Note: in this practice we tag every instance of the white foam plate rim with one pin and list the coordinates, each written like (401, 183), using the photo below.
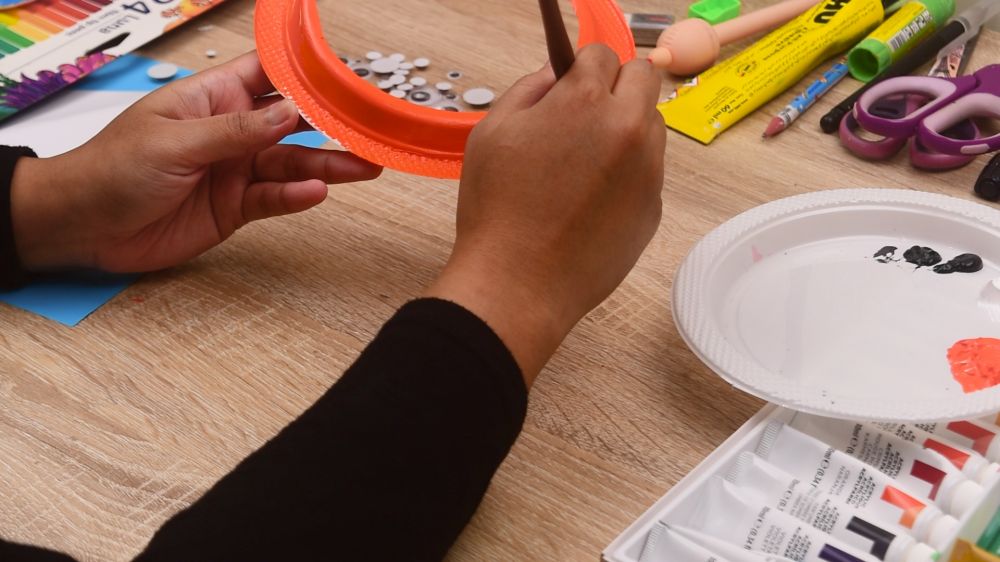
(693, 297)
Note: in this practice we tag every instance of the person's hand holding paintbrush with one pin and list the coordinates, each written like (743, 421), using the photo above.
(560, 194)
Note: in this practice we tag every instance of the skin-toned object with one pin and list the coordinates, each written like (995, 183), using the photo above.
(176, 174)
(691, 46)
(390, 132)
(539, 245)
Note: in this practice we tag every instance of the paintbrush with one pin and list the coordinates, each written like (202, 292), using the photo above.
(561, 53)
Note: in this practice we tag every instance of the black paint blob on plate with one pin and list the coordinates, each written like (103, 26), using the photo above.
(965, 263)
(886, 254)
(922, 256)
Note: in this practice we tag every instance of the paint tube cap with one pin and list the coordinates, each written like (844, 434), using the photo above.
(942, 532)
(963, 497)
(987, 473)
(904, 549)
(920, 552)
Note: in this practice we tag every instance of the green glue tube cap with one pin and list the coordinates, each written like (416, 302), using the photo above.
(910, 25)
(715, 11)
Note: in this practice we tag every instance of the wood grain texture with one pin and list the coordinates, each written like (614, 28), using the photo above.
(109, 428)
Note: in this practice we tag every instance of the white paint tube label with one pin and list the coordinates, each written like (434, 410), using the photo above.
(729, 514)
(923, 470)
(673, 543)
(865, 529)
(856, 484)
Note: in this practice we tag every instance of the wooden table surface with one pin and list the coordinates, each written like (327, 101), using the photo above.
(108, 428)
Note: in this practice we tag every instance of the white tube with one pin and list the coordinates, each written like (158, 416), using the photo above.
(729, 514)
(982, 436)
(664, 545)
(972, 464)
(920, 469)
(672, 543)
(857, 484)
(861, 529)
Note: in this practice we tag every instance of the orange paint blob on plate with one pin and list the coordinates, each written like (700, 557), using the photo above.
(975, 363)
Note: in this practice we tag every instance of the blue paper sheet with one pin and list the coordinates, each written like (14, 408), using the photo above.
(72, 298)
(69, 299)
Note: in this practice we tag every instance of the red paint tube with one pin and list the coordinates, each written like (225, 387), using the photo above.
(981, 436)
(973, 464)
(919, 469)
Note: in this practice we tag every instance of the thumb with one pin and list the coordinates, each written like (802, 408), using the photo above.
(526, 92)
(232, 135)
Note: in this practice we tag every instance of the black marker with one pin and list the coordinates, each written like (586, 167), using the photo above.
(967, 23)
(109, 44)
(988, 184)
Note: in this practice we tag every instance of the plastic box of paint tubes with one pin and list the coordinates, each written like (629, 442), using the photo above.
(789, 486)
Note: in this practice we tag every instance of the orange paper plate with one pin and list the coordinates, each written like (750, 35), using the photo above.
(388, 131)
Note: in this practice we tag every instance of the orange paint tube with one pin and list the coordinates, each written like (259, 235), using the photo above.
(375, 126)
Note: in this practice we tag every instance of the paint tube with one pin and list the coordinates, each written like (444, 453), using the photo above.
(728, 513)
(673, 543)
(982, 436)
(861, 529)
(920, 469)
(855, 483)
(972, 464)
(736, 87)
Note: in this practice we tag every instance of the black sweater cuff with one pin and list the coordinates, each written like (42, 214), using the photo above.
(12, 275)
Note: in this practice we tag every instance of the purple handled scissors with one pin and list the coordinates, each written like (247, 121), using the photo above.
(944, 135)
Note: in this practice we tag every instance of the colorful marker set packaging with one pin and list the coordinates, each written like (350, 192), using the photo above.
(790, 486)
(47, 45)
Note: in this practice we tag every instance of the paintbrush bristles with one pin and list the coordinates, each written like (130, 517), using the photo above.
(561, 53)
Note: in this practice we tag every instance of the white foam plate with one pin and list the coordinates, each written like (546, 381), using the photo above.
(786, 302)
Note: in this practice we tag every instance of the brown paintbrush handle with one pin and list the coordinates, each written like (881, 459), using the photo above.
(561, 52)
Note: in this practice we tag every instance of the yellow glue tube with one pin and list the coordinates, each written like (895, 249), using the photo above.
(731, 90)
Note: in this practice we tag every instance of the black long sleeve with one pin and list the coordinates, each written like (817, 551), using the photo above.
(389, 464)
(11, 273)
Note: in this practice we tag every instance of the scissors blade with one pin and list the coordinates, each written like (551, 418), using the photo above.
(951, 61)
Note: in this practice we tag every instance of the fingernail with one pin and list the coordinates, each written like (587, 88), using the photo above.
(280, 112)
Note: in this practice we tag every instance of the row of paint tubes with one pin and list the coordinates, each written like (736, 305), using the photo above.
(865, 491)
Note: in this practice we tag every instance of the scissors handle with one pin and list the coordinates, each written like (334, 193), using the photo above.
(939, 91)
(982, 101)
(882, 149)
(921, 158)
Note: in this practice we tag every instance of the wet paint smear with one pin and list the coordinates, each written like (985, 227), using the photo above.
(975, 364)
(886, 254)
(965, 263)
(922, 256)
